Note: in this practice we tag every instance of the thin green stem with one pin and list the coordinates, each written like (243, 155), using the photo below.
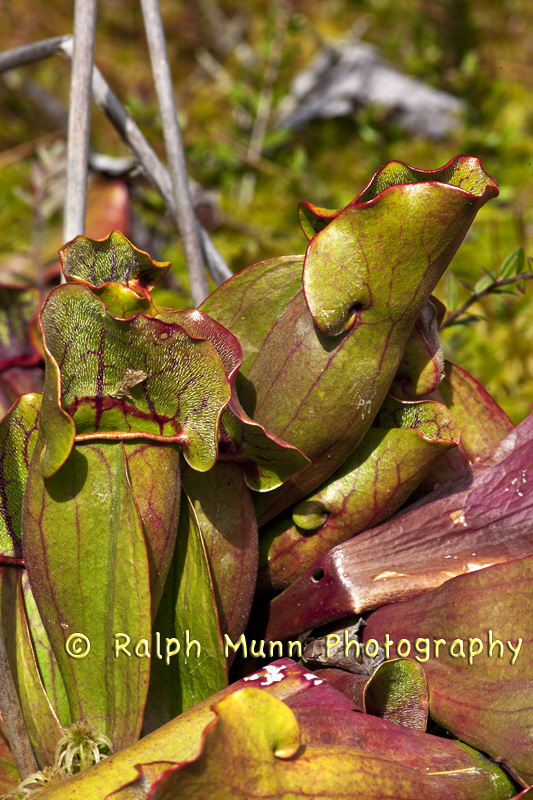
(475, 296)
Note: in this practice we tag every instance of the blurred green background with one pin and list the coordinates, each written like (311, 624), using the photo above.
(233, 63)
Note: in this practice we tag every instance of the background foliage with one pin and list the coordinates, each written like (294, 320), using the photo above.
(227, 59)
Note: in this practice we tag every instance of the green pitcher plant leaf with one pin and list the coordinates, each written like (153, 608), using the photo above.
(44, 655)
(253, 747)
(394, 456)
(481, 420)
(400, 204)
(9, 778)
(421, 368)
(95, 262)
(266, 460)
(479, 518)
(480, 675)
(154, 474)
(225, 513)
(330, 354)
(18, 435)
(18, 305)
(87, 563)
(325, 717)
(122, 301)
(398, 691)
(188, 663)
(118, 379)
(41, 719)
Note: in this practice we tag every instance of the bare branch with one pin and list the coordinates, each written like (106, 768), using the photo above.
(79, 120)
(127, 129)
(17, 735)
(28, 53)
(155, 171)
(174, 146)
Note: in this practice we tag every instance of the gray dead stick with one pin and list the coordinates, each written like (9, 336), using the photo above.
(79, 120)
(17, 735)
(28, 53)
(174, 146)
(155, 171)
(128, 130)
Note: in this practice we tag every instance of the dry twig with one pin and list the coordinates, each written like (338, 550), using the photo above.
(79, 120)
(174, 146)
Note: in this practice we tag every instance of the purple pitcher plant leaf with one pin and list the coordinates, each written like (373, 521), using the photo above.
(255, 745)
(481, 420)
(188, 663)
(85, 553)
(394, 456)
(94, 262)
(154, 474)
(125, 378)
(18, 435)
(225, 513)
(480, 674)
(266, 460)
(41, 718)
(481, 517)
(325, 718)
(421, 368)
(331, 350)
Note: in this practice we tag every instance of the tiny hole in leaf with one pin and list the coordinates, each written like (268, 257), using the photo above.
(318, 574)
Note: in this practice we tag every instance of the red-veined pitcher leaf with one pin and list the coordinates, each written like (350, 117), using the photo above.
(267, 461)
(397, 690)
(154, 473)
(225, 513)
(118, 379)
(481, 420)
(18, 434)
(325, 717)
(41, 721)
(481, 674)
(18, 304)
(253, 748)
(122, 301)
(88, 568)
(95, 262)
(44, 655)
(188, 663)
(483, 516)
(421, 368)
(392, 240)
(395, 454)
(291, 372)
